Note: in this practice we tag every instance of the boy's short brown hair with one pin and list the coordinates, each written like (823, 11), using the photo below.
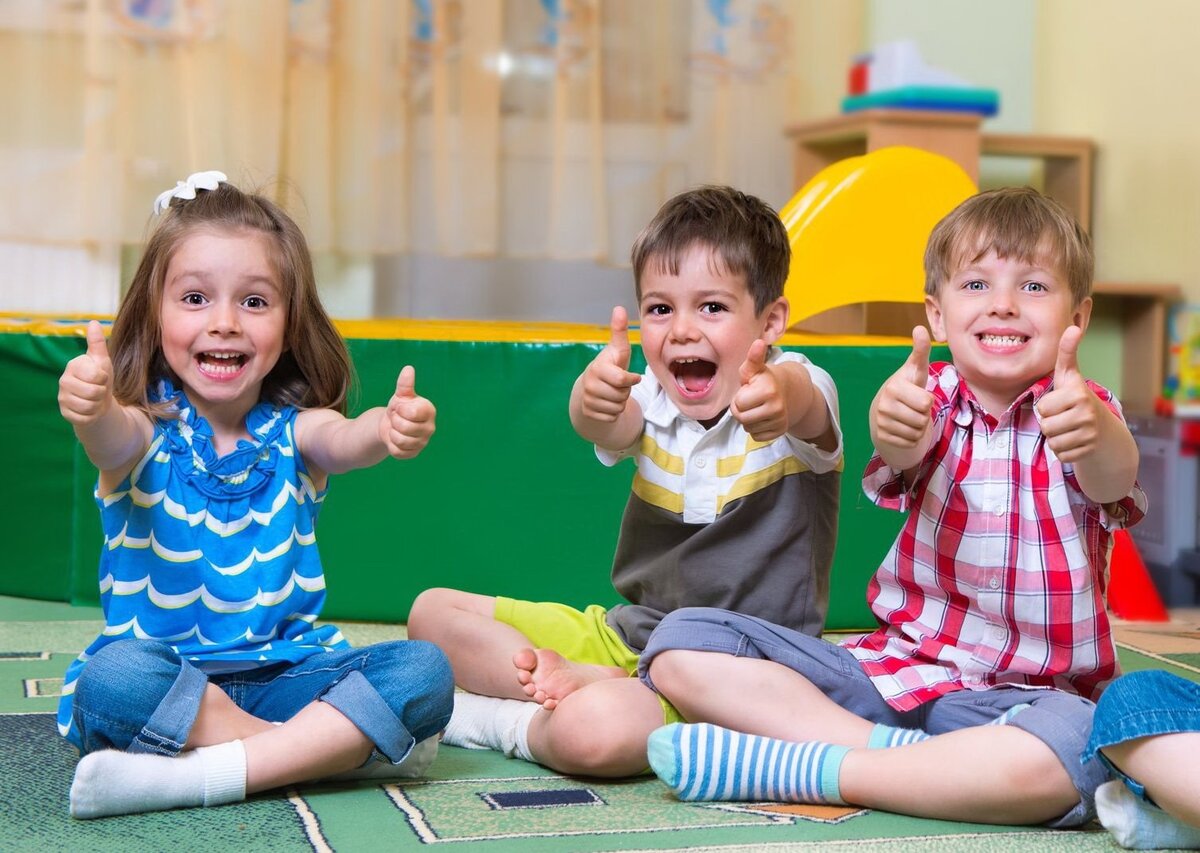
(745, 235)
(1013, 222)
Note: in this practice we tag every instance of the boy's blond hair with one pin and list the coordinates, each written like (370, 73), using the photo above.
(1013, 222)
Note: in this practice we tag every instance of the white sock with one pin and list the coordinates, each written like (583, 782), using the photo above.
(1139, 825)
(414, 765)
(486, 722)
(111, 782)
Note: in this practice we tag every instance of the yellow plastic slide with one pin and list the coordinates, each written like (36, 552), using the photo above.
(858, 228)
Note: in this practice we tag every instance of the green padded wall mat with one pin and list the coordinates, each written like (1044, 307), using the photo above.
(505, 500)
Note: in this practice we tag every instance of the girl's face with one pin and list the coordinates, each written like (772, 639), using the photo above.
(223, 316)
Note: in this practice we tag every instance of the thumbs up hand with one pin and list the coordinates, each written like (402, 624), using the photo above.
(901, 419)
(85, 388)
(1071, 415)
(606, 382)
(409, 419)
(760, 405)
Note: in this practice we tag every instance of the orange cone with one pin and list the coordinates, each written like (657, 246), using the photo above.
(1131, 593)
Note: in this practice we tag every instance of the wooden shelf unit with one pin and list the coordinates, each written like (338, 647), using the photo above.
(1143, 312)
(1066, 161)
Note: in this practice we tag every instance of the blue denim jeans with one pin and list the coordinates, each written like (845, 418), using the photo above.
(1141, 704)
(141, 696)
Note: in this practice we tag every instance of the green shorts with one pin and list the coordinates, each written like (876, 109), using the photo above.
(582, 636)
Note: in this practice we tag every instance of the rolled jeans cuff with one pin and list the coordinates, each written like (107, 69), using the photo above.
(362, 705)
(167, 730)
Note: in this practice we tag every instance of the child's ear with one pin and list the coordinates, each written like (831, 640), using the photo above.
(933, 313)
(1083, 314)
(775, 320)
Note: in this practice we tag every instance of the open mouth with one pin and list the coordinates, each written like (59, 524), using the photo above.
(693, 376)
(220, 363)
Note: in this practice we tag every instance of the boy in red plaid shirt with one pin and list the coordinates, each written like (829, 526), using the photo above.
(972, 700)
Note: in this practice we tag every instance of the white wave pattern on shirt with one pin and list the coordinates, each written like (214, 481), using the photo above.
(175, 601)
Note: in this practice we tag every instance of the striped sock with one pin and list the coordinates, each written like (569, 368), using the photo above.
(707, 762)
(883, 736)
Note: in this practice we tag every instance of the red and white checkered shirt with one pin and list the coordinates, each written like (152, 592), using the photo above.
(999, 572)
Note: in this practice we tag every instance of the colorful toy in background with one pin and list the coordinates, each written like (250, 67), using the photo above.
(1181, 390)
(1131, 592)
(858, 228)
(894, 75)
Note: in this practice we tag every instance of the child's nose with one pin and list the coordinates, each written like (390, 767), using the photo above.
(223, 320)
(1003, 303)
(683, 326)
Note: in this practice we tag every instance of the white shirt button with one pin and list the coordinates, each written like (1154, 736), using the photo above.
(994, 583)
(701, 461)
(998, 510)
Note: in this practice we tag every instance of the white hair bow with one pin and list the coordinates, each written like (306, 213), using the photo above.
(187, 189)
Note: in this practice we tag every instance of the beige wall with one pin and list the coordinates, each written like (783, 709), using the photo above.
(1126, 74)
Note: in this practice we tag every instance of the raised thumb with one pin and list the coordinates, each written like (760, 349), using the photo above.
(406, 382)
(1067, 363)
(618, 338)
(756, 361)
(919, 359)
(97, 347)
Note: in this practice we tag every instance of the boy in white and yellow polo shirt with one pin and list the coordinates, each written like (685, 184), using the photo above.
(734, 504)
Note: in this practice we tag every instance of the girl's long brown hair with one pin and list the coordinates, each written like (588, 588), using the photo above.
(314, 370)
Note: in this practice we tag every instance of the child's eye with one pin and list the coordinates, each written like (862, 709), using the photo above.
(254, 302)
(712, 308)
(658, 310)
(1036, 287)
(193, 298)
(975, 284)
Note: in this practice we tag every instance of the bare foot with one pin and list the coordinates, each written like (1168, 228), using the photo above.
(547, 677)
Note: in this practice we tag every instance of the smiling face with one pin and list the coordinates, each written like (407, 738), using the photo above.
(697, 328)
(1003, 319)
(223, 318)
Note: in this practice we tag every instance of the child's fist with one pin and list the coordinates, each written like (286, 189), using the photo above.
(409, 420)
(85, 388)
(759, 405)
(607, 382)
(901, 415)
(1070, 413)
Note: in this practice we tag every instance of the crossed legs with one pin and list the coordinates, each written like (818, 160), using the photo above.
(571, 701)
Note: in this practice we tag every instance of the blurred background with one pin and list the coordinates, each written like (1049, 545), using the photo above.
(493, 159)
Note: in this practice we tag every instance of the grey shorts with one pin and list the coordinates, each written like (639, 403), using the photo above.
(1061, 720)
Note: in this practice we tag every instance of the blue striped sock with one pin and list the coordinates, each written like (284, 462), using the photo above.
(883, 736)
(707, 762)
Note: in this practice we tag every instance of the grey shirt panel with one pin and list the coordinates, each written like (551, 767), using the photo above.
(768, 554)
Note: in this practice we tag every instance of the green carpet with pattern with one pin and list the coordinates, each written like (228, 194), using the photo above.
(473, 801)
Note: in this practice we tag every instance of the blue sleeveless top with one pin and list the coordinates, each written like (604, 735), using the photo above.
(216, 557)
